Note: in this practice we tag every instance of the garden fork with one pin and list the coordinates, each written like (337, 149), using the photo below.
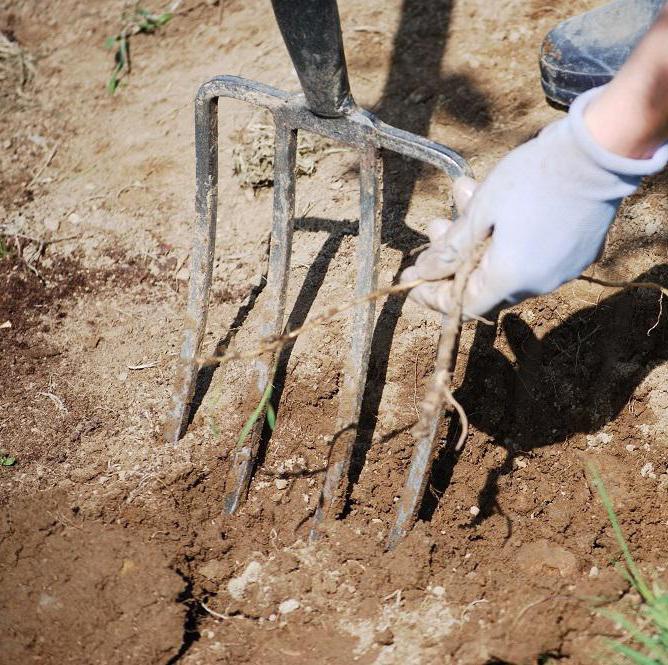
(312, 33)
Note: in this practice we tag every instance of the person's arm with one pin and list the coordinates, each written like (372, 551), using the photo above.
(630, 117)
(549, 203)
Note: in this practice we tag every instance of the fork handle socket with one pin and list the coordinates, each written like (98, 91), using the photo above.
(311, 30)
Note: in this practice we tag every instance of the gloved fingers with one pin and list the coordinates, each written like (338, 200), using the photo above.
(435, 264)
(434, 295)
(440, 260)
(415, 294)
(462, 237)
(463, 189)
(484, 290)
(437, 229)
(448, 248)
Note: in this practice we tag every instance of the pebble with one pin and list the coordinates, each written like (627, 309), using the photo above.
(280, 483)
(51, 223)
(594, 571)
(474, 510)
(648, 471)
(384, 637)
(289, 605)
(237, 585)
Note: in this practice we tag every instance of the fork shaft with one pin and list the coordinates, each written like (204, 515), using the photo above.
(311, 31)
(273, 308)
(332, 498)
(201, 269)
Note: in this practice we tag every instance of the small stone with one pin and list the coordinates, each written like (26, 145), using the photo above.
(545, 557)
(214, 570)
(594, 572)
(630, 447)
(474, 510)
(208, 634)
(648, 471)
(384, 637)
(74, 218)
(280, 483)
(289, 605)
(438, 591)
(51, 224)
(237, 585)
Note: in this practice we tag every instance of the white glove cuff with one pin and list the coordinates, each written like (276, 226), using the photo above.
(604, 158)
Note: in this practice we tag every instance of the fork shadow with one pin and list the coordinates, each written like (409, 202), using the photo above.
(313, 280)
(413, 91)
(574, 380)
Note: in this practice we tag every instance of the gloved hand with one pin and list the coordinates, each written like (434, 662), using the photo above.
(548, 206)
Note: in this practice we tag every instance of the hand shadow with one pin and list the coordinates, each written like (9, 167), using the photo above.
(574, 380)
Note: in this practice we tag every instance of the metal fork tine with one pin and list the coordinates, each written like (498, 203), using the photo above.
(418, 477)
(352, 126)
(273, 309)
(204, 241)
(355, 370)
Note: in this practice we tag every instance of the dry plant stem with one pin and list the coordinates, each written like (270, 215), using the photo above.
(275, 343)
(439, 390)
(625, 285)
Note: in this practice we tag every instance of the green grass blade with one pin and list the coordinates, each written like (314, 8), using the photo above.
(114, 81)
(253, 418)
(271, 417)
(638, 580)
(648, 641)
(124, 51)
(633, 655)
(658, 614)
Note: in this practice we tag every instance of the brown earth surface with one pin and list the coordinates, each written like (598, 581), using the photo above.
(114, 548)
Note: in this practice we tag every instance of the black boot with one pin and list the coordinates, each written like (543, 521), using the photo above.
(588, 50)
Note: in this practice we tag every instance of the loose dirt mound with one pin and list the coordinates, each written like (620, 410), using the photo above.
(79, 592)
(113, 544)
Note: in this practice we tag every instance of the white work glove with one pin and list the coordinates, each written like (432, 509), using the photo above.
(548, 205)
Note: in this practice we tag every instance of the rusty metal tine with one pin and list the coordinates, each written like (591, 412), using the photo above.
(418, 476)
(204, 241)
(371, 191)
(273, 309)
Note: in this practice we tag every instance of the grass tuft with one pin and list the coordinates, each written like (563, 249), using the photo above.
(17, 68)
(137, 21)
(7, 460)
(649, 631)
